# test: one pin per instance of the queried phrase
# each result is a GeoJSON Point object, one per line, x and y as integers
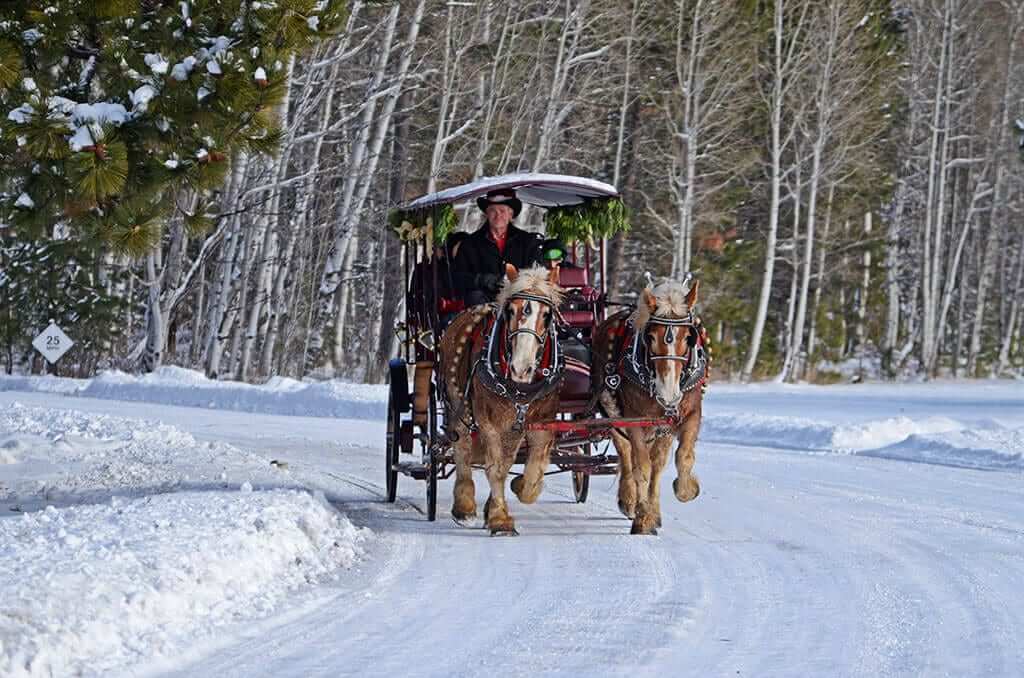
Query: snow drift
{"type": "Point", "coordinates": [91, 589]}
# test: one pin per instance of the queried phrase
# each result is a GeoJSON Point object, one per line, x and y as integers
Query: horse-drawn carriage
{"type": "Point", "coordinates": [454, 390]}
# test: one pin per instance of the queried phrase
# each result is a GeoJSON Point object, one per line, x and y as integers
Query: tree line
{"type": "Point", "coordinates": [845, 177]}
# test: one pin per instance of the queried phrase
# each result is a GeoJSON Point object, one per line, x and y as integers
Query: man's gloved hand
{"type": "Point", "coordinates": [488, 281]}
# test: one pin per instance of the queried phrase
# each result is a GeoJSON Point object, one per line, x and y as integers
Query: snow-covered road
{"type": "Point", "coordinates": [794, 561]}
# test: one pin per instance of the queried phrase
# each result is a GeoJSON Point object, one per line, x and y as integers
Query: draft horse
{"type": "Point", "coordinates": [653, 362]}
{"type": "Point", "coordinates": [503, 370]}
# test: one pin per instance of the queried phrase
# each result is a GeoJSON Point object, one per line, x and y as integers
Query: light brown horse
{"type": "Point", "coordinates": [502, 371]}
{"type": "Point", "coordinates": [653, 363]}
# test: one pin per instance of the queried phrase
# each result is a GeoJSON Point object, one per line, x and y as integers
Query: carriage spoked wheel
{"type": "Point", "coordinates": [398, 402]}
{"type": "Point", "coordinates": [433, 467]}
{"type": "Point", "coordinates": [580, 479]}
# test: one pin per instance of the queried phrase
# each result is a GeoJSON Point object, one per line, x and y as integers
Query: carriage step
{"type": "Point", "coordinates": [414, 470]}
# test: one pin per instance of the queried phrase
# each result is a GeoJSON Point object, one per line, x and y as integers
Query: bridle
{"type": "Point", "coordinates": [637, 364]}
{"type": "Point", "coordinates": [526, 330]}
{"type": "Point", "coordinates": [497, 379]}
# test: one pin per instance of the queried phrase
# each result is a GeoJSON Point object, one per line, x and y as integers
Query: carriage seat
{"type": "Point", "coordinates": [578, 311]}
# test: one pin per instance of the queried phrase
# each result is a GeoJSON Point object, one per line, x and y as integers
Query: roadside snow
{"type": "Point", "coordinates": [177, 386]}
{"type": "Point", "coordinates": [124, 540]}
{"type": "Point", "coordinates": [92, 589]}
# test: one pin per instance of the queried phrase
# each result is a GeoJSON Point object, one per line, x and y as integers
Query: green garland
{"type": "Point", "coordinates": [437, 221]}
{"type": "Point", "coordinates": [589, 221]}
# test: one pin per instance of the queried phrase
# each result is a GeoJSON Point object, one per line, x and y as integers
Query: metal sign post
{"type": "Point", "coordinates": [53, 343]}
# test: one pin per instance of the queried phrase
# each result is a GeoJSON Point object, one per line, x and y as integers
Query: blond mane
{"type": "Point", "coordinates": [670, 296]}
{"type": "Point", "coordinates": [533, 281]}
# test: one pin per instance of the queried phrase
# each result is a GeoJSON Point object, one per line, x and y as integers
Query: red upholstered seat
{"type": "Point", "coordinates": [569, 276]}
{"type": "Point", "coordinates": [579, 318]}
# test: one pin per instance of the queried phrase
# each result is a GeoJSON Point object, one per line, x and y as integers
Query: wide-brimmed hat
{"type": "Point", "coordinates": [505, 196]}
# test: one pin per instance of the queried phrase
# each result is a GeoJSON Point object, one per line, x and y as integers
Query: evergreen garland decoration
{"type": "Point", "coordinates": [588, 221]}
{"type": "Point", "coordinates": [437, 222]}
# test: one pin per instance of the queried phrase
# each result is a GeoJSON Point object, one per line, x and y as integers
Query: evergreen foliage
{"type": "Point", "coordinates": [44, 280]}
{"type": "Point", "coordinates": [112, 109]}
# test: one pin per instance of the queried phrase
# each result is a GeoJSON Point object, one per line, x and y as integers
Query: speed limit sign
{"type": "Point", "coordinates": [53, 343]}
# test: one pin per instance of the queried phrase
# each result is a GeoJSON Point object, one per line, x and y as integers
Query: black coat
{"type": "Point", "coordinates": [479, 267]}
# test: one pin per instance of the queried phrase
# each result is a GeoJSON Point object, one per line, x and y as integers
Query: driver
{"type": "Point", "coordinates": [481, 261]}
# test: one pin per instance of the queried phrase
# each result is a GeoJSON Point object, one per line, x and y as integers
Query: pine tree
{"type": "Point", "coordinates": [116, 114]}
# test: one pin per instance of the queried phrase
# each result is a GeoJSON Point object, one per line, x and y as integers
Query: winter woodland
{"type": "Point", "coordinates": [845, 177]}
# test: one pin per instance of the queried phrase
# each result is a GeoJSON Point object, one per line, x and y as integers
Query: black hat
{"type": "Point", "coordinates": [504, 196]}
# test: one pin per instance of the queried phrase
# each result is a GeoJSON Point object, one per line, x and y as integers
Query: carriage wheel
{"type": "Point", "coordinates": [433, 467]}
{"type": "Point", "coordinates": [391, 451]}
{"type": "Point", "coordinates": [580, 479]}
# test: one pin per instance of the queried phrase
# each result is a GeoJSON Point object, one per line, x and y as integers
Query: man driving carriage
{"type": "Point", "coordinates": [481, 259]}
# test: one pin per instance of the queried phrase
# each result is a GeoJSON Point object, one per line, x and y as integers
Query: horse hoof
{"type": "Point", "coordinates": [644, 527]}
{"type": "Point", "coordinates": [686, 490]}
{"type": "Point", "coordinates": [504, 532]}
{"type": "Point", "coordinates": [627, 510]}
{"type": "Point", "coordinates": [657, 522]}
{"type": "Point", "coordinates": [464, 518]}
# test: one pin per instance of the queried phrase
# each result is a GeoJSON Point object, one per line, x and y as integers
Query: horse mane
{"type": "Point", "coordinates": [670, 296]}
{"type": "Point", "coordinates": [532, 281]}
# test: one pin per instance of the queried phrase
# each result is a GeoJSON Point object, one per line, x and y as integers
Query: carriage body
{"type": "Point", "coordinates": [418, 444]}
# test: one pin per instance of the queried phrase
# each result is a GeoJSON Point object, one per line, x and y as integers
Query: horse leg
{"type": "Point", "coordinates": [499, 522]}
{"type": "Point", "coordinates": [464, 500]}
{"type": "Point", "coordinates": [627, 485]}
{"type": "Point", "coordinates": [686, 485]}
{"type": "Point", "coordinates": [644, 520]}
{"type": "Point", "coordinates": [659, 459]}
{"type": "Point", "coordinates": [529, 485]}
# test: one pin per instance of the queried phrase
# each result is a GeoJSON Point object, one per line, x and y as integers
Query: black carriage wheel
{"type": "Point", "coordinates": [391, 451]}
{"type": "Point", "coordinates": [432, 465]}
{"type": "Point", "coordinates": [581, 479]}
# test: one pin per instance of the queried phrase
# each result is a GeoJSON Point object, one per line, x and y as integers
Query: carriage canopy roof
{"type": "Point", "coordinates": [542, 190]}
{"type": "Point", "coordinates": [578, 209]}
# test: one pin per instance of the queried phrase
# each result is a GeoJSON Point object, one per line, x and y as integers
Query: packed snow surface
{"type": "Point", "coordinates": [862, 530]}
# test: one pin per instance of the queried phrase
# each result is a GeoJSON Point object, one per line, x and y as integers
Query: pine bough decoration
{"type": "Point", "coordinates": [588, 222]}
{"type": "Point", "coordinates": [118, 116]}
{"type": "Point", "coordinates": [436, 223]}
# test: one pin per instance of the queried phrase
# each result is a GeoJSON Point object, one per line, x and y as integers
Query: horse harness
{"type": "Point", "coordinates": [494, 363]}
{"type": "Point", "coordinates": [637, 365]}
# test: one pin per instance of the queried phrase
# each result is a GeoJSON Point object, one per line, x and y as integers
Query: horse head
{"type": "Point", "coordinates": [528, 302]}
{"type": "Point", "coordinates": [664, 321]}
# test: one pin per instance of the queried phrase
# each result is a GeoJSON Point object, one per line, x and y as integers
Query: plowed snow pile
{"type": "Point", "coordinates": [121, 540]}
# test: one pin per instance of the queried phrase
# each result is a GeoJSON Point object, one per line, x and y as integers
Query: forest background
{"type": "Point", "coordinates": [206, 184]}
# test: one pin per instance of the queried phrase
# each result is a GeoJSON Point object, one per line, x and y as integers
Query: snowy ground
{"type": "Point", "coordinates": [864, 530]}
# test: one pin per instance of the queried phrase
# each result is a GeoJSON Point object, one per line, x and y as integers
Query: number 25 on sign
{"type": "Point", "coordinates": [52, 343]}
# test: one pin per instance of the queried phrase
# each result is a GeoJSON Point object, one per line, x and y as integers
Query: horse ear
{"type": "Point", "coordinates": [553, 275]}
{"type": "Point", "coordinates": [511, 272]}
{"type": "Point", "coordinates": [649, 299]}
{"type": "Point", "coordinates": [691, 296]}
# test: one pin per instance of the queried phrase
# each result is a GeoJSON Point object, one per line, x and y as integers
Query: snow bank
{"type": "Point", "coordinates": [177, 386]}
{"type": "Point", "coordinates": [123, 540]}
{"type": "Point", "coordinates": [91, 589]}
{"type": "Point", "coordinates": [934, 440]}
{"type": "Point", "coordinates": [985, 449]}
